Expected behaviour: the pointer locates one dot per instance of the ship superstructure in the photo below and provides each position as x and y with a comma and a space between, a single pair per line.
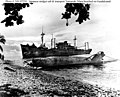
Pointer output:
57, 49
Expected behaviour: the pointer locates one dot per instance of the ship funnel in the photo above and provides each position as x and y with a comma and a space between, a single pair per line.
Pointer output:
75, 42
53, 42
86, 45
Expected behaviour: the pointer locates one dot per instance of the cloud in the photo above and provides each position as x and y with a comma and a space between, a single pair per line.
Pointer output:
9, 48
101, 30
36, 16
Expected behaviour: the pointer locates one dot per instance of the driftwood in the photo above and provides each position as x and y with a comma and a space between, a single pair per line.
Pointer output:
10, 69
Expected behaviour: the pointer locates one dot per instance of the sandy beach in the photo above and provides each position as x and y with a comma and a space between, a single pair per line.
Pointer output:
18, 81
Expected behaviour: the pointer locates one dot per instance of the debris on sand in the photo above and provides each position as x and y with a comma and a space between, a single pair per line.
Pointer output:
10, 69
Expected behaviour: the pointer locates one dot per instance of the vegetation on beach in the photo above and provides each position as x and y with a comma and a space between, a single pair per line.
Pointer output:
2, 40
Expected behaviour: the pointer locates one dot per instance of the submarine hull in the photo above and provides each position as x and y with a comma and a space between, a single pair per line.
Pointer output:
62, 62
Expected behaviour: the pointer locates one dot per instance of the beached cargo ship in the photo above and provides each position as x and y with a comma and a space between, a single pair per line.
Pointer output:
66, 61
57, 49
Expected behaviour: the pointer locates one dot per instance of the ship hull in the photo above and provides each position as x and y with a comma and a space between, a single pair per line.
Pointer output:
62, 62
35, 52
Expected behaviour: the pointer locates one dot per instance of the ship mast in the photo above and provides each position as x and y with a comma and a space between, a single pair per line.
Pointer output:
42, 35
75, 42
53, 42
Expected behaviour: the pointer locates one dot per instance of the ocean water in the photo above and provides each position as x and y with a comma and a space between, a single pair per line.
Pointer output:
107, 75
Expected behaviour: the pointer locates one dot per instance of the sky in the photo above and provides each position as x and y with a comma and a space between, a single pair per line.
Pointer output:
101, 31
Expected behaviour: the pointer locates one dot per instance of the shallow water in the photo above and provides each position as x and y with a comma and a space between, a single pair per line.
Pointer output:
107, 75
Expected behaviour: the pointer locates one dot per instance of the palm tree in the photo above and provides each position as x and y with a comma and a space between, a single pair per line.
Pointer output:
2, 40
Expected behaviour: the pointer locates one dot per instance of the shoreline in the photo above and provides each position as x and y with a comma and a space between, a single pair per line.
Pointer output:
30, 83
